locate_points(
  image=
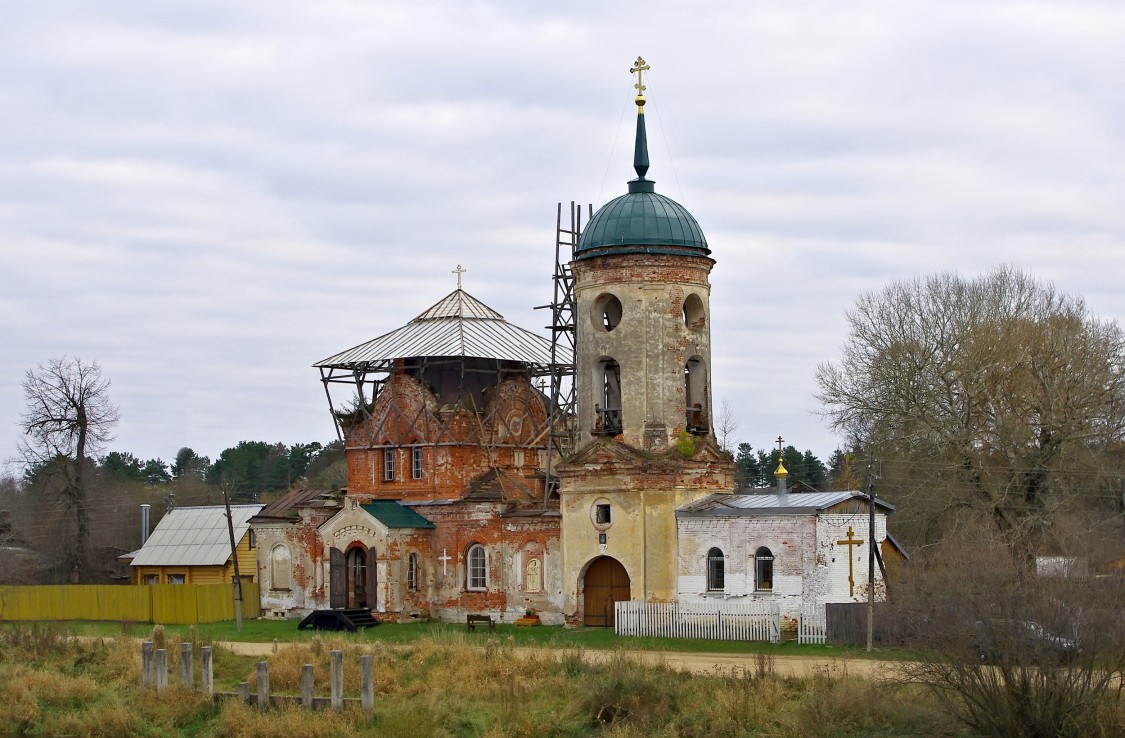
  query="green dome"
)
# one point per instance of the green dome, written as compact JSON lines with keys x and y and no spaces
{"x":641,"y":222}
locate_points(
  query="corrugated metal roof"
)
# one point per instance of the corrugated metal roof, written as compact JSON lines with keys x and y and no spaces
{"x":457,"y":325}
{"x":393,"y":515}
{"x":773,"y":504}
{"x":195,"y":536}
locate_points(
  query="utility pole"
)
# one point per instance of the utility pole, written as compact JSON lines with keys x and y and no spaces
{"x":870,"y":558}
{"x":234,"y":557}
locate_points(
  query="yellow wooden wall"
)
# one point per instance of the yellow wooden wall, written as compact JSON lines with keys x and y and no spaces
{"x":154,"y":603}
{"x":247,"y":569}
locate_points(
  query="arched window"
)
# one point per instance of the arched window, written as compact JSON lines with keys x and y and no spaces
{"x":695,"y":316}
{"x":280,"y":570}
{"x":716,"y":570}
{"x":695,"y":395}
{"x":477,"y":565}
{"x":763,"y":570}
{"x":608,"y":401}
{"x":412,"y":572}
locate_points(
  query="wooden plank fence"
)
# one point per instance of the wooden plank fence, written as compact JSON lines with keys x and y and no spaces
{"x":725,"y":621}
{"x":150,"y":603}
{"x":812,"y":625}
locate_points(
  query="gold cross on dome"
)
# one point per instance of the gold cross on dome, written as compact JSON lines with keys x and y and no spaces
{"x":639,"y":68}
{"x":459,"y":271}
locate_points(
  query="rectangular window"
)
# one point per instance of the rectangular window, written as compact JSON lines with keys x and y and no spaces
{"x":416,"y":454}
{"x":176,"y":578}
{"x":602,"y":515}
{"x":388,"y":465}
{"x":152,"y":579}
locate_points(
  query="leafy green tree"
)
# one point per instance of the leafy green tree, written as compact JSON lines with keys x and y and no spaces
{"x":122,"y":466}
{"x":155,"y":472}
{"x":189,"y":464}
{"x":747,"y":471}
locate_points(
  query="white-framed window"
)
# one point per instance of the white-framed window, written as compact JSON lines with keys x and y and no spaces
{"x":416,"y":462}
{"x":281,"y":571}
{"x":763,"y":570}
{"x":716,"y":570}
{"x":477,"y":568}
{"x":176,"y":578}
{"x":412,"y":572}
{"x":152,"y":579}
{"x":388,"y":465}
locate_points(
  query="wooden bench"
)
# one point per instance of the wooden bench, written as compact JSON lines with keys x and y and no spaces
{"x":472,"y":621}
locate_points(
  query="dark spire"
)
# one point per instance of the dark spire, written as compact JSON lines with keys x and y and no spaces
{"x":640,"y":151}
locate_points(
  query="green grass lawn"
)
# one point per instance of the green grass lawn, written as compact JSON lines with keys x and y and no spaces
{"x":267,"y":631}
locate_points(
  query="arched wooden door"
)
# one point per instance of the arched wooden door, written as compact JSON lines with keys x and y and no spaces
{"x":605,"y":583}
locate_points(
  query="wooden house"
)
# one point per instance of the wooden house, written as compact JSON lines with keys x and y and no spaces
{"x":191,"y":545}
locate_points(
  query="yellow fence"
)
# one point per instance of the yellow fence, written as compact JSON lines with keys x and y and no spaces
{"x":151,"y":603}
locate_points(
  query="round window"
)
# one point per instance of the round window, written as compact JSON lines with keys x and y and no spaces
{"x":607,"y":312}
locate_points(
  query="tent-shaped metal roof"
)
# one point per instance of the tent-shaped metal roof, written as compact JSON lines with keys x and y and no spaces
{"x":195,"y":536}
{"x":457,"y":325}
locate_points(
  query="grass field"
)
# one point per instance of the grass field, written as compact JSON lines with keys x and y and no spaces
{"x":438,"y":681}
{"x":268,"y":631}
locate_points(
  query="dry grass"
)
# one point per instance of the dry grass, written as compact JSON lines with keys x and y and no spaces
{"x":446,"y":686}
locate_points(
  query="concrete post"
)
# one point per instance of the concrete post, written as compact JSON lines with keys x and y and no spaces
{"x":307,"y":685}
{"x":337,"y":680}
{"x":161,"y":669}
{"x":263,"y":685}
{"x":244,"y":692}
{"x":206,"y":670}
{"x":148,"y":671}
{"x":187,"y":666}
{"x":367,"y":683}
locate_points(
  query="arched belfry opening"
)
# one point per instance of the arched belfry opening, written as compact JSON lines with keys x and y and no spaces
{"x":695,"y":396}
{"x":607,"y":410}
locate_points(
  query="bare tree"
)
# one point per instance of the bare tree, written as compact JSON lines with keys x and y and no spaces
{"x":1008,"y":651}
{"x":69,"y":416}
{"x":727,"y":426}
{"x":996,"y":396}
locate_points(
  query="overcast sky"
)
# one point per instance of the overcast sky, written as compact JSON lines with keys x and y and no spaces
{"x":208,"y":197}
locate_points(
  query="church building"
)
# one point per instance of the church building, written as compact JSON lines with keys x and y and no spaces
{"x":461,"y":499}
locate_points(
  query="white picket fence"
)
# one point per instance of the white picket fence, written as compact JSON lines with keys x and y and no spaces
{"x":725,"y":621}
{"x":812,"y":624}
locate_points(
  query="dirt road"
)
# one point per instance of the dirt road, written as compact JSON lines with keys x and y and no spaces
{"x":697,"y":663}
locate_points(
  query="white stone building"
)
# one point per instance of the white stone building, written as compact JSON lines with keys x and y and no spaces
{"x":788,"y":549}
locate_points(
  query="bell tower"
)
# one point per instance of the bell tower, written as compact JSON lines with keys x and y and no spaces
{"x":642,"y":361}
{"x":643,"y":345}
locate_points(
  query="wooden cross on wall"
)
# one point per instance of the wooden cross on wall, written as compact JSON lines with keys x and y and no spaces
{"x":850,"y":542}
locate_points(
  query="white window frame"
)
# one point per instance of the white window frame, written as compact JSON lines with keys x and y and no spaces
{"x":759,"y":560}
{"x":412,"y":572}
{"x":416,"y":462}
{"x":476,"y":569}
{"x":715,"y":557}
{"x":388,"y":465}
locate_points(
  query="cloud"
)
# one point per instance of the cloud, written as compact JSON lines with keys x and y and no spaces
{"x":207,"y":198}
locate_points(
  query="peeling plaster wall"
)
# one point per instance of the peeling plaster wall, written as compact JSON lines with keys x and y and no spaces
{"x":308,"y":588}
{"x":809,"y":565}
{"x":643,"y":493}
{"x":651,"y":344}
